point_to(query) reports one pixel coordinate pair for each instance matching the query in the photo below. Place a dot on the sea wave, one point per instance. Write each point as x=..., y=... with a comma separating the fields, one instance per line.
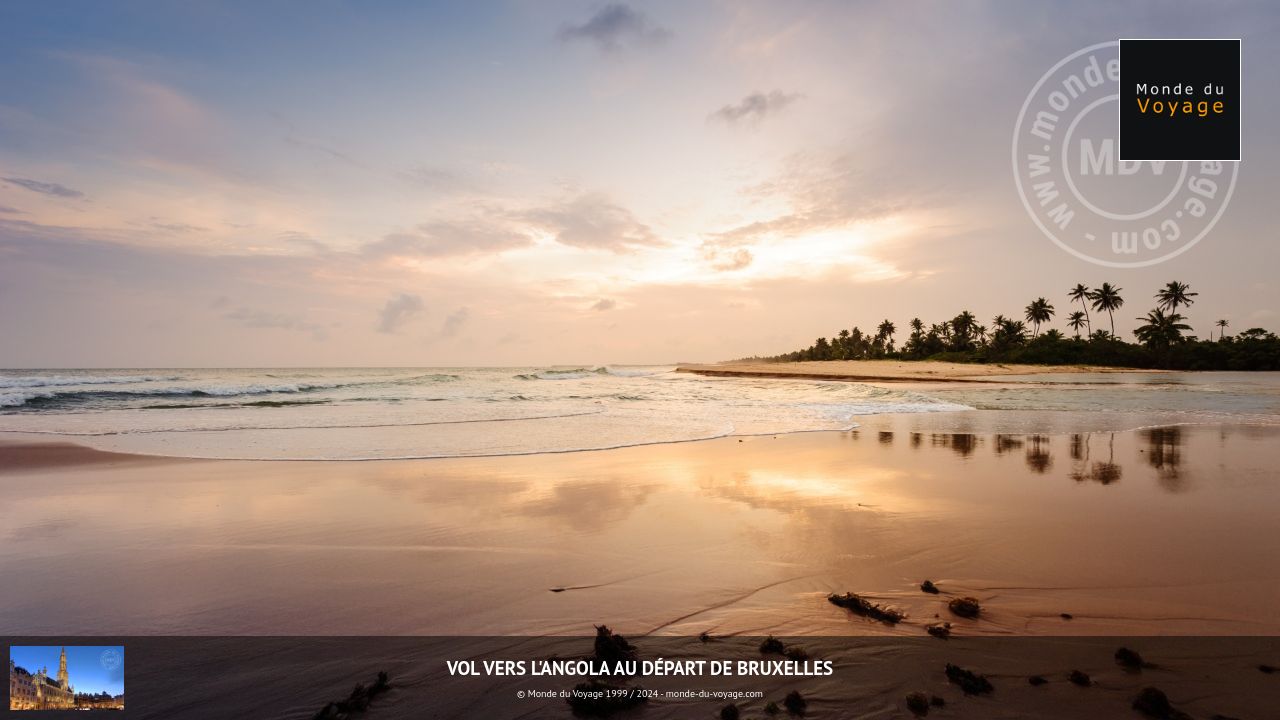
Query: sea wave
x=65, y=380
x=48, y=397
x=586, y=372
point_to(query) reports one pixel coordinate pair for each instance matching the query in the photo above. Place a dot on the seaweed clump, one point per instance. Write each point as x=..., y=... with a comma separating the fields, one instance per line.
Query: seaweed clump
x=1130, y=659
x=929, y=587
x=965, y=607
x=729, y=712
x=861, y=606
x=919, y=703
x=772, y=646
x=1080, y=678
x=797, y=653
x=611, y=647
x=357, y=702
x=939, y=630
x=1152, y=702
x=970, y=682
x=795, y=703
x=600, y=699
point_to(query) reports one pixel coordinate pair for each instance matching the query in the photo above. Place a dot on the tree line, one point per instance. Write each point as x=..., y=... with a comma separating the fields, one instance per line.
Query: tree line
x=1164, y=338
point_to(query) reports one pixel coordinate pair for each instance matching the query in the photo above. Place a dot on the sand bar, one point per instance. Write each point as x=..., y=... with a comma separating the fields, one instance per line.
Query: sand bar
x=891, y=370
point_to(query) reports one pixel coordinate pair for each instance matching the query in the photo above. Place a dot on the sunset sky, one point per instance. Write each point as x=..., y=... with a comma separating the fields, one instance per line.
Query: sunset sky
x=534, y=182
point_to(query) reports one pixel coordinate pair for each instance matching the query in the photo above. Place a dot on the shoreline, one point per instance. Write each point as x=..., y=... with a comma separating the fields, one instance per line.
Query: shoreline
x=896, y=371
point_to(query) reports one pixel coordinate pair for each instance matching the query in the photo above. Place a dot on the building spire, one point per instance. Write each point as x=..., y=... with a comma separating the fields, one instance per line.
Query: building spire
x=63, y=680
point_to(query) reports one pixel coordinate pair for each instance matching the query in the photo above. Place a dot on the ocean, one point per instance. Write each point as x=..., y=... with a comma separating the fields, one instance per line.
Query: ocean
x=375, y=413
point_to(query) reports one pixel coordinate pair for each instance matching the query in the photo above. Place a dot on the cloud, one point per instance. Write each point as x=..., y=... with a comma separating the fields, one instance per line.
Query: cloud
x=264, y=319
x=176, y=227
x=614, y=27
x=45, y=188
x=399, y=309
x=446, y=238
x=604, y=304
x=10, y=210
x=755, y=107
x=302, y=241
x=727, y=260
x=827, y=194
x=593, y=222
x=455, y=322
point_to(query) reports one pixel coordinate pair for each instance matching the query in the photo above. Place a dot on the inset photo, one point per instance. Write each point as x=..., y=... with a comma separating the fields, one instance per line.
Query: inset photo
x=76, y=677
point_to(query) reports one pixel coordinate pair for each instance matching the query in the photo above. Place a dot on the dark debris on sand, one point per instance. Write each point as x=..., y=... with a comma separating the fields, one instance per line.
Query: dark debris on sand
x=611, y=647
x=772, y=646
x=600, y=699
x=1268, y=669
x=1079, y=678
x=1130, y=659
x=730, y=712
x=929, y=587
x=1037, y=680
x=795, y=703
x=1153, y=703
x=939, y=630
x=965, y=607
x=797, y=653
x=861, y=606
x=919, y=703
x=357, y=702
x=971, y=683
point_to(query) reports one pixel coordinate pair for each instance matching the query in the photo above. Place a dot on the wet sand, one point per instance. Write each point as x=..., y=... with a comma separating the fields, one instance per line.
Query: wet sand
x=889, y=370
x=1138, y=528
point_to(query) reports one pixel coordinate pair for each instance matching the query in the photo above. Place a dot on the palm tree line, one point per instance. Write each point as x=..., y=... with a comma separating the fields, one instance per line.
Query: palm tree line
x=1162, y=327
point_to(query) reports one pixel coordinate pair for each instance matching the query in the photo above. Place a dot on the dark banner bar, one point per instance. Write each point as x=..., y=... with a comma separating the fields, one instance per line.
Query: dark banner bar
x=326, y=678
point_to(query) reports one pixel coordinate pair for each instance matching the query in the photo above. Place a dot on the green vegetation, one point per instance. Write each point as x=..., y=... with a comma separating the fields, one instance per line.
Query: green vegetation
x=1164, y=339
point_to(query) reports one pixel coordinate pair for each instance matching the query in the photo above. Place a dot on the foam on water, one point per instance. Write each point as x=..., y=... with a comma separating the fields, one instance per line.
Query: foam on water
x=373, y=413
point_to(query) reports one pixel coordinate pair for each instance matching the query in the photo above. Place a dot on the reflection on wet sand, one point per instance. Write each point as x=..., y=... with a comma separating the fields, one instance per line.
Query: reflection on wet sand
x=1164, y=453
x=1103, y=472
x=720, y=535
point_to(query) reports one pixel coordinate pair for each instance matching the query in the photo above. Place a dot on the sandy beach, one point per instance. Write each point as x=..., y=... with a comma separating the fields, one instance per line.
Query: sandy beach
x=1132, y=529
x=890, y=370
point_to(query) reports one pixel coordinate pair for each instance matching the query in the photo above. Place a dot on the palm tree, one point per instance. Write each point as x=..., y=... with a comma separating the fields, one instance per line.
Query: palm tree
x=1222, y=329
x=1160, y=330
x=885, y=332
x=1008, y=332
x=1107, y=298
x=1039, y=311
x=1077, y=320
x=963, y=326
x=1080, y=294
x=1174, y=294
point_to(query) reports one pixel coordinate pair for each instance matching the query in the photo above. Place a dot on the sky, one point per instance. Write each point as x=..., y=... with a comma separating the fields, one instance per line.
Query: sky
x=86, y=669
x=529, y=182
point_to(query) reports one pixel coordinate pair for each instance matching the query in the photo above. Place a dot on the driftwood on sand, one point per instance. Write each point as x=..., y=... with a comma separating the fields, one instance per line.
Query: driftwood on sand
x=861, y=606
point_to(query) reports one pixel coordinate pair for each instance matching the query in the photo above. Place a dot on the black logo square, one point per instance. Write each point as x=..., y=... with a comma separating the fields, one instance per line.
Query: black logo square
x=1179, y=99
